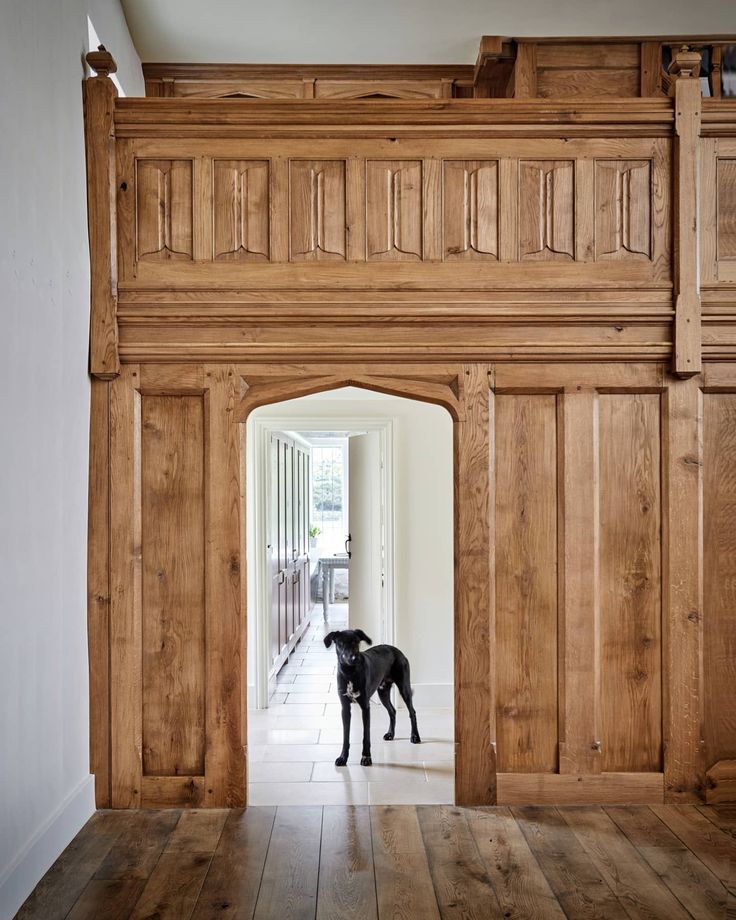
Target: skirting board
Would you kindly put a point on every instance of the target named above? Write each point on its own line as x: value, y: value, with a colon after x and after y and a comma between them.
x: 20, y: 878
x: 573, y: 789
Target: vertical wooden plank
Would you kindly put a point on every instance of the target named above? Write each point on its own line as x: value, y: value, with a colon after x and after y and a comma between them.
x: 719, y: 601
x: 630, y: 580
x: 709, y: 210
x: 279, y: 209
x: 125, y: 208
x: 585, y: 209
x: 125, y: 589
x: 432, y: 209
x: 355, y: 205
x: 172, y: 499
x: 99, y: 131
x: 203, y: 210
x: 650, y: 75
x: 98, y: 590
x: 225, y: 707
x: 688, y: 336
x: 403, y: 881
x: 683, y: 578
x: 508, y: 210
x: 526, y: 582
x: 475, y: 769
x: 579, y: 630
x: 525, y: 71
x: 347, y: 884
x: 290, y: 876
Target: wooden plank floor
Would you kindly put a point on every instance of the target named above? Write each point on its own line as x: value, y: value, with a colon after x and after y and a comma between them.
x: 396, y: 862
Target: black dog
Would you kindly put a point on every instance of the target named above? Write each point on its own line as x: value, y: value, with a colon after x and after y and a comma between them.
x: 359, y: 675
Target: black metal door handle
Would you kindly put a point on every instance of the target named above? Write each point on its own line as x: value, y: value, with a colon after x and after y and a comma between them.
x: 347, y: 544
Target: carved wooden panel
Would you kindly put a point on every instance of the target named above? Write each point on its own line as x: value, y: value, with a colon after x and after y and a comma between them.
x: 623, y: 209
x: 470, y: 209
x: 173, y: 585
x: 164, y: 209
x: 526, y: 583
x: 630, y: 582
x: 726, y: 205
x: 318, y: 225
x: 546, y: 210
x: 394, y: 210
x: 719, y: 581
x: 241, y: 209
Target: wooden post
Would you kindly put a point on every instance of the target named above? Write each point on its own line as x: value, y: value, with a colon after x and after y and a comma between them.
x: 685, y: 68
x: 475, y: 714
x: 99, y: 95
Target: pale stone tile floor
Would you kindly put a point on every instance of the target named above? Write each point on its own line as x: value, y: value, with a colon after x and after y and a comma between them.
x: 293, y: 744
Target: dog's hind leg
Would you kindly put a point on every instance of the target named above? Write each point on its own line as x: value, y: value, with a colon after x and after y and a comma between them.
x: 365, y: 760
x: 404, y: 685
x: 384, y: 695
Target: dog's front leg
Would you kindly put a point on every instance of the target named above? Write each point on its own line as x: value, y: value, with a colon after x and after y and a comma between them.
x: 365, y: 760
x: 343, y: 758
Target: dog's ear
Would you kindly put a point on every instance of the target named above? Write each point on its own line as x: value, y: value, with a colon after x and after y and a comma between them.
x: 328, y: 639
x: 362, y: 636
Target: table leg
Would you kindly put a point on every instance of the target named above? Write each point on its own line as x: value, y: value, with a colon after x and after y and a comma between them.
x: 325, y: 592
x: 332, y: 586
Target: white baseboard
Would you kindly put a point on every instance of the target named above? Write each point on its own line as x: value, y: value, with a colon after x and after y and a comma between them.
x: 34, y: 858
x: 430, y: 696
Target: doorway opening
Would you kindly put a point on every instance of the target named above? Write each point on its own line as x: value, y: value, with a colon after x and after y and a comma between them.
x: 350, y: 525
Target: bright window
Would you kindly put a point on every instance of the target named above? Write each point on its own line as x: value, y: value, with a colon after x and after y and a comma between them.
x: 330, y: 495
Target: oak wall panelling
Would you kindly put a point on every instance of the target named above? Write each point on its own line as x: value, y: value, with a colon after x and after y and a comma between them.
x: 528, y: 265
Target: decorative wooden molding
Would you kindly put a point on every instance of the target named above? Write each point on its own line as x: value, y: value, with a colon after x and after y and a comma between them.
x: 688, y: 340
x: 100, y: 95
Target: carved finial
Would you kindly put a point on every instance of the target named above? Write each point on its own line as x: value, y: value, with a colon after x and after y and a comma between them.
x: 685, y: 63
x: 102, y: 62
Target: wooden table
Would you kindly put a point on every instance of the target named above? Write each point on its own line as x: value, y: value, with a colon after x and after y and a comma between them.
x: 328, y: 565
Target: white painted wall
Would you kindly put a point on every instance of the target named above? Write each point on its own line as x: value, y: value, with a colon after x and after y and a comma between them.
x: 45, y: 789
x: 423, y: 526
x: 393, y: 31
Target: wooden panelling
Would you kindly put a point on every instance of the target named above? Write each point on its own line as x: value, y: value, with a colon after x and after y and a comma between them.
x: 558, y: 83
x: 164, y: 209
x: 630, y: 578
x: 623, y: 209
x: 317, y: 213
x: 394, y: 209
x: 470, y: 209
x: 719, y: 601
x: 526, y: 583
x: 173, y: 632
x: 726, y: 207
x: 241, y: 209
x: 546, y: 210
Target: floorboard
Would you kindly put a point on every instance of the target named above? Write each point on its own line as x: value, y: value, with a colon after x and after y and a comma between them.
x: 396, y: 862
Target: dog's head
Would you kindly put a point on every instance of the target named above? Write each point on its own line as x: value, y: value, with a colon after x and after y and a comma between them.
x: 347, y: 645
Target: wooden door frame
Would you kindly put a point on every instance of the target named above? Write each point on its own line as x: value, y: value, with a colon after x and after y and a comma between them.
x: 256, y: 461
x: 465, y: 391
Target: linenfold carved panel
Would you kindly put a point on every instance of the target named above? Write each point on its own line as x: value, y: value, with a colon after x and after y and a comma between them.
x: 622, y: 209
x: 546, y: 210
x: 470, y: 209
x: 726, y: 206
x: 318, y: 225
x: 241, y: 209
x: 394, y: 210
x: 164, y: 209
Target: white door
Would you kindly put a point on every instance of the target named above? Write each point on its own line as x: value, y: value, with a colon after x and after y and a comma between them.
x: 364, y: 516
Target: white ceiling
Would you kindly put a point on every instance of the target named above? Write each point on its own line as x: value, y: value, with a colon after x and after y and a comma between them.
x: 392, y: 31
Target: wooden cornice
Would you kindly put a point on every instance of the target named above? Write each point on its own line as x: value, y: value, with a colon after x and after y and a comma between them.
x: 218, y: 72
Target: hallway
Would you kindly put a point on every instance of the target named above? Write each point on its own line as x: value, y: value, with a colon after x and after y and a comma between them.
x: 293, y: 744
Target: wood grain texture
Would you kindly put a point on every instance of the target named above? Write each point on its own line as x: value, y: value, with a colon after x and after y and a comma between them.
x: 580, y: 788
x: 719, y: 576
x: 726, y: 207
x: 99, y: 94
x: 630, y: 580
x: 174, y: 665
x: 470, y: 209
x: 289, y: 884
x: 526, y: 583
x: 403, y: 880
x: 347, y: 885
x: 394, y: 209
x: 317, y: 215
x: 546, y: 210
x: 164, y: 209
x: 241, y: 203
x: 475, y: 766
